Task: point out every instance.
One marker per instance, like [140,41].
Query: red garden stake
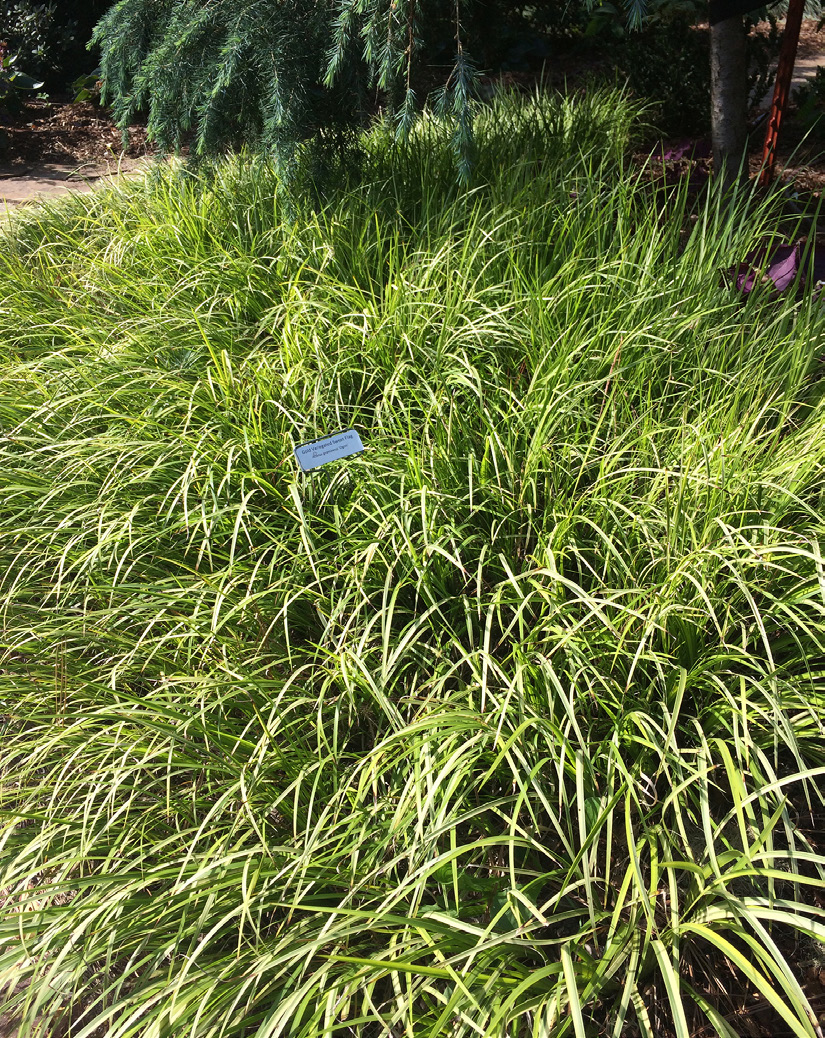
[784,74]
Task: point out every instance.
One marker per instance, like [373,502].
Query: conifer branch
[269,74]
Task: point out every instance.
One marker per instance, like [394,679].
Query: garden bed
[67,133]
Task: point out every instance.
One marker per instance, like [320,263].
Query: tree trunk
[729,101]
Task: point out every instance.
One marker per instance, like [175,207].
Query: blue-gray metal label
[330,448]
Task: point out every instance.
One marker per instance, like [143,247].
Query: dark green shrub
[668,62]
[13,80]
[50,39]
[810,107]
[500,35]
[32,35]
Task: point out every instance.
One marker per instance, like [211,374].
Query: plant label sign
[330,448]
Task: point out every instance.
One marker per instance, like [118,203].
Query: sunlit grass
[512,725]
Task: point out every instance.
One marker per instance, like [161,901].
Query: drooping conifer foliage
[271,73]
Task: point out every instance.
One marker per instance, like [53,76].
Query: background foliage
[49,39]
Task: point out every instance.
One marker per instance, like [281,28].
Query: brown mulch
[811,37]
[66,132]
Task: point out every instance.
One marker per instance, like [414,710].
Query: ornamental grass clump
[511,725]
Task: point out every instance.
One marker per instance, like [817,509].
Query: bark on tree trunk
[729,101]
